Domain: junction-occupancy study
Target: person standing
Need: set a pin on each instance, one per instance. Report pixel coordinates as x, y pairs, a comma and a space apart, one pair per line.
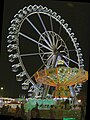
82, 111
52, 112
23, 112
18, 112
35, 113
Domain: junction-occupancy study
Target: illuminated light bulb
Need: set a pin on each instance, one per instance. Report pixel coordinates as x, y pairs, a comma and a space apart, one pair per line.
79, 101
1, 88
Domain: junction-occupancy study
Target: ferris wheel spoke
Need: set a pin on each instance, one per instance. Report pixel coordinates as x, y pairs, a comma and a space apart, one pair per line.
69, 59
50, 61
62, 51
49, 57
66, 39
52, 30
66, 64
59, 47
51, 23
34, 40
57, 42
53, 59
60, 30
53, 39
44, 28
45, 61
37, 31
22, 55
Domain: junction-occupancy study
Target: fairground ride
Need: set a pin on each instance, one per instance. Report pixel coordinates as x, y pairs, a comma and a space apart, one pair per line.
61, 72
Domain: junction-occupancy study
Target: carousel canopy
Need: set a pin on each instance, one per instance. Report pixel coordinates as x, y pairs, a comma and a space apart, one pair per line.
64, 76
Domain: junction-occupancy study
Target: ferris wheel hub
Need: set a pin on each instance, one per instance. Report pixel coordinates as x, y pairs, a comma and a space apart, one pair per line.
55, 50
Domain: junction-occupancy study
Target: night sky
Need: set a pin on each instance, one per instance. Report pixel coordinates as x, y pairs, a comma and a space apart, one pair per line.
76, 14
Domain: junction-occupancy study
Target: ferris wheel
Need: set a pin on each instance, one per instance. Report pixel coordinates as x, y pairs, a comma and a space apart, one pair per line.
54, 41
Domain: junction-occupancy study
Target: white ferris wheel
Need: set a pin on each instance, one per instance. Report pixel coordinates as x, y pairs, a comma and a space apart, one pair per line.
54, 41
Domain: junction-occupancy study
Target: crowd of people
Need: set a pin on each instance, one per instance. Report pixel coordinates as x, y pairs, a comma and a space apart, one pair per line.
35, 112
19, 112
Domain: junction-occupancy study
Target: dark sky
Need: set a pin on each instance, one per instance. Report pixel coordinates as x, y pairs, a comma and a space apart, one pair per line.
76, 15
